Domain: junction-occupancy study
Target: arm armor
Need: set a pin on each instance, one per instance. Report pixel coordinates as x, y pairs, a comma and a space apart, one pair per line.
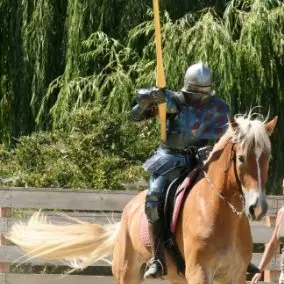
146, 99
150, 97
138, 114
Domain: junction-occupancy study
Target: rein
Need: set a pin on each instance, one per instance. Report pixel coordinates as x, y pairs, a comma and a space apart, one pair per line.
232, 159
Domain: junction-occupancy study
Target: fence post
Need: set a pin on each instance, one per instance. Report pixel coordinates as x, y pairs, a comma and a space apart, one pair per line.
4, 212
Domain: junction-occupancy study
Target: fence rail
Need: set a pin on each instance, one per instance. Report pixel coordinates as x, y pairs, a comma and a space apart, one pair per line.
55, 279
95, 207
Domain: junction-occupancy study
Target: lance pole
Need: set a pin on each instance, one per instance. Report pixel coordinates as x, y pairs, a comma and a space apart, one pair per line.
160, 74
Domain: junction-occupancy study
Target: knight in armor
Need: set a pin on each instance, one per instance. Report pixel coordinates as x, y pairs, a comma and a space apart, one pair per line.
195, 116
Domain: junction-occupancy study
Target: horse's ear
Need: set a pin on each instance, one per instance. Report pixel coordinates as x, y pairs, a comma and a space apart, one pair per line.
269, 126
233, 124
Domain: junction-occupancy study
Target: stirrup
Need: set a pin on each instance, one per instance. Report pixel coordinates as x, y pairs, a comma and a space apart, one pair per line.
159, 269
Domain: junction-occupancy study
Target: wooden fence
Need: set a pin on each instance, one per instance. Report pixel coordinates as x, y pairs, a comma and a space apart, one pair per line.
98, 207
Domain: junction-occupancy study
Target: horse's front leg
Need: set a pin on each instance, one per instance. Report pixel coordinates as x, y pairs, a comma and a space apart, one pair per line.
229, 278
198, 274
240, 279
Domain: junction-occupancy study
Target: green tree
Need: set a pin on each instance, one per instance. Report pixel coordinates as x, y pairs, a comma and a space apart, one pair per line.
60, 56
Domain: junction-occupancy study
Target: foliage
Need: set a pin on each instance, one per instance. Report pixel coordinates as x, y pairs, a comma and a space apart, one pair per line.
62, 58
93, 152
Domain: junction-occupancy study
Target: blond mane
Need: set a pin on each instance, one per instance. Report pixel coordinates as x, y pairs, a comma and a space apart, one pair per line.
250, 132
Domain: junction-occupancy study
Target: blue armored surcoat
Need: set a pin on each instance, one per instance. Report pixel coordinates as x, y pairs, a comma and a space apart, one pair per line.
188, 126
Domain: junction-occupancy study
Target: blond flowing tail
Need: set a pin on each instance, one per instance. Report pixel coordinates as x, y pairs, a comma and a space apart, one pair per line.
80, 244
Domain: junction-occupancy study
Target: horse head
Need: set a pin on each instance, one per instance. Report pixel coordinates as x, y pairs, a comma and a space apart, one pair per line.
252, 151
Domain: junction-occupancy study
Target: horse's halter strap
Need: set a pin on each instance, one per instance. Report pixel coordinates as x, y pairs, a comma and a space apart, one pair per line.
232, 158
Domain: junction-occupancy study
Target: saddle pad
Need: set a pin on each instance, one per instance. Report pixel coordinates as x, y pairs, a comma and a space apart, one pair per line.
179, 198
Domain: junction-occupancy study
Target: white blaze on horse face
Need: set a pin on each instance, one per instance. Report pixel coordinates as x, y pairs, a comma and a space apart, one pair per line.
262, 196
258, 152
255, 198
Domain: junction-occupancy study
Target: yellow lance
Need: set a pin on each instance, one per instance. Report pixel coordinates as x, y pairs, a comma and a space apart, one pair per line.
160, 75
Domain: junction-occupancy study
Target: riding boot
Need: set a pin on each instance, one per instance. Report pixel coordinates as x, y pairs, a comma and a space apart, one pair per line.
156, 267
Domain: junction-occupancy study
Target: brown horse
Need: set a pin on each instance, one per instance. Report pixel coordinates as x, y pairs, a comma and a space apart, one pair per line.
213, 232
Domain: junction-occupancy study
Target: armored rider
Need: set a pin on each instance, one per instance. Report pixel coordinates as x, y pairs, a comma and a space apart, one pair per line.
194, 116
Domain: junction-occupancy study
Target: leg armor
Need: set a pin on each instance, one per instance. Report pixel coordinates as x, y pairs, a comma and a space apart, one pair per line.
154, 197
157, 267
157, 185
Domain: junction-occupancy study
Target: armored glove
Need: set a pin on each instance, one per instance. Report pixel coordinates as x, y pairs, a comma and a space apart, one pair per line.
147, 98
203, 153
158, 95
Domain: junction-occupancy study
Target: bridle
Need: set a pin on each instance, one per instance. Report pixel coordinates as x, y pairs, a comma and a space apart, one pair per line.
232, 159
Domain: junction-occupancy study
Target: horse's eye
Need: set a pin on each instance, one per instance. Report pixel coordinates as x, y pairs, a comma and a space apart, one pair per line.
241, 158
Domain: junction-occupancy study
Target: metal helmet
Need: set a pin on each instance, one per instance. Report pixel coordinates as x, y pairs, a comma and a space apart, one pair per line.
197, 75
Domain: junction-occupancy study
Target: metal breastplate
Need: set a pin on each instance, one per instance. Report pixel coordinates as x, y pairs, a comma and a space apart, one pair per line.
179, 133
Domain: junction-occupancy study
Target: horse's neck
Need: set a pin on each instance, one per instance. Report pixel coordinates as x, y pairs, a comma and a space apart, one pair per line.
220, 171
224, 185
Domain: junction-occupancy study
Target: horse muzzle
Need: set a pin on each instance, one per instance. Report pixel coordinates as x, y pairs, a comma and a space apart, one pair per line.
256, 205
